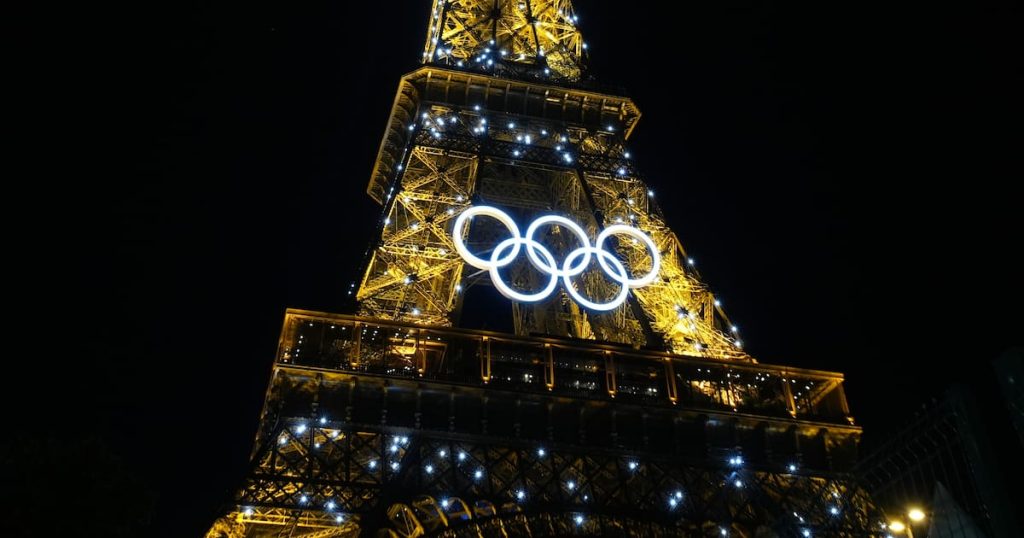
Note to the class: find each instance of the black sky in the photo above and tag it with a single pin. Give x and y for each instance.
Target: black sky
(848, 182)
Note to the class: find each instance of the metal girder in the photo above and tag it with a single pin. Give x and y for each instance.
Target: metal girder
(534, 166)
(618, 423)
(535, 38)
(342, 479)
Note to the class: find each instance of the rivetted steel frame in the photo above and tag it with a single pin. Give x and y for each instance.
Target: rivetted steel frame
(333, 428)
(414, 272)
(367, 418)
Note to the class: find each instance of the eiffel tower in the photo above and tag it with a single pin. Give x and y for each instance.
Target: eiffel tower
(620, 400)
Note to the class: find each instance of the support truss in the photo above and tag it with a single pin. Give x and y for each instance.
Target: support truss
(537, 38)
(335, 479)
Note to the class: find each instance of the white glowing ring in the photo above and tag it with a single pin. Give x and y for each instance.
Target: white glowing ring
(542, 259)
(552, 268)
(633, 232)
(460, 245)
(508, 291)
(619, 275)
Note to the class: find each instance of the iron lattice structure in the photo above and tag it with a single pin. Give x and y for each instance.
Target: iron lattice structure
(646, 420)
(411, 430)
(457, 137)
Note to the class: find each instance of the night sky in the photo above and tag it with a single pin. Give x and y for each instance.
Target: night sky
(847, 182)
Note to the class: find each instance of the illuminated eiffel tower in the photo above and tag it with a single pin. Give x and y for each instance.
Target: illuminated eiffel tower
(620, 405)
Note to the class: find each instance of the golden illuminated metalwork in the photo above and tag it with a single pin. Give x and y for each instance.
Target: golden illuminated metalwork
(374, 424)
(638, 421)
(538, 37)
(455, 136)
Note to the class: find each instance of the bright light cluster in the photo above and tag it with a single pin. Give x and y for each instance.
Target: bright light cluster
(542, 259)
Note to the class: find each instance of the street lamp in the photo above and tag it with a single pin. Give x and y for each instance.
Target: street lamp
(915, 514)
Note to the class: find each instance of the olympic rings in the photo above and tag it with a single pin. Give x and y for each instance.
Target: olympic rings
(542, 259)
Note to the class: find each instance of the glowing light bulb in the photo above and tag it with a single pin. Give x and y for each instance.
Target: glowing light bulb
(541, 452)
(632, 466)
(303, 499)
(520, 495)
(462, 456)
(916, 514)
(429, 469)
(579, 520)
(570, 485)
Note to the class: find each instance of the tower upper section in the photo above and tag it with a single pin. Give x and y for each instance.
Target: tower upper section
(522, 38)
